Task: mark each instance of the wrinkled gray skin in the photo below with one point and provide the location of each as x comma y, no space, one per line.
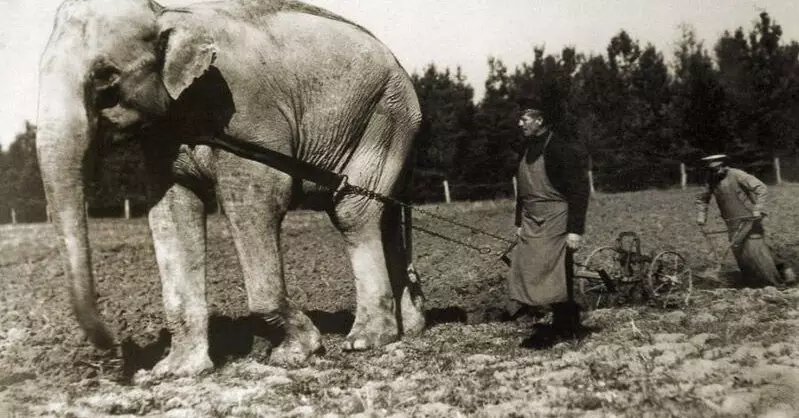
280,74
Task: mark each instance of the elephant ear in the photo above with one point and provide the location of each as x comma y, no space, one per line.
187,53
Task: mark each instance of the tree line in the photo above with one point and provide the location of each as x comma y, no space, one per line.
639,113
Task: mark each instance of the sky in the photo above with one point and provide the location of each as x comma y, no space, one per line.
449,33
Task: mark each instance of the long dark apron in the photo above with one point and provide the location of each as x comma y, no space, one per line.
539,266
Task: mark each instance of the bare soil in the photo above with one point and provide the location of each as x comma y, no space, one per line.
729,352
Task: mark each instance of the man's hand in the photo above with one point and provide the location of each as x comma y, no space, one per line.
573,241
756,214
518,232
700,220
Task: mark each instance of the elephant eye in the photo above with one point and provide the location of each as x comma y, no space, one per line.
107,97
105,79
105,76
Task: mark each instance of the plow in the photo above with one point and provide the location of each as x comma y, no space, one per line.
621,273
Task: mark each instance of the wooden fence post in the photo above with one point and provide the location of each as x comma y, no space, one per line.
446,191
777,171
13,216
683,177
591,188
127,209
591,182
515,189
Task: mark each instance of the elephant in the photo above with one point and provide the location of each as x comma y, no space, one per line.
273,74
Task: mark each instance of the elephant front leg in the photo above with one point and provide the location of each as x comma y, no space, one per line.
177,223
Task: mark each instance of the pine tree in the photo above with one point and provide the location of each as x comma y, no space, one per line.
490,157
23,190
698,102
448,109
759,76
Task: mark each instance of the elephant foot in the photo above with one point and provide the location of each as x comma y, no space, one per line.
376,333
294,352
411,307
301,340
182,363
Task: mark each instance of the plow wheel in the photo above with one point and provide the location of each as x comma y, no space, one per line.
669,279
596,281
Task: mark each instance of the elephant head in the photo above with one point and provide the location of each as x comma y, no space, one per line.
110,67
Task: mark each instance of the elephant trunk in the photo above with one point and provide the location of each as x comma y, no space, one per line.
63,140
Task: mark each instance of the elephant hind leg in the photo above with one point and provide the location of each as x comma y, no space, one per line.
375,314
386,304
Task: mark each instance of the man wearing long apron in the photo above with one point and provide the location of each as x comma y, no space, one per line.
552,200
740,197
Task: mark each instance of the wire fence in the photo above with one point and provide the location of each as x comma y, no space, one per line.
432,189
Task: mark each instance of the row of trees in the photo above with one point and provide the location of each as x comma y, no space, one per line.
118,175
639,113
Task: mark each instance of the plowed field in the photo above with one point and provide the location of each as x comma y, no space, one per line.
729,352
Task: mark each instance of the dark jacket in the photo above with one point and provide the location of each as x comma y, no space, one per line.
567,170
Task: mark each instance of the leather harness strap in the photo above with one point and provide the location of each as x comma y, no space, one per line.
279,161
337,183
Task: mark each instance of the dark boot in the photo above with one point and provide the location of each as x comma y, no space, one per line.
565,326
543,336
566,321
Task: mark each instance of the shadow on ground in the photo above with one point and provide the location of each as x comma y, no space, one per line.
249,336
230,338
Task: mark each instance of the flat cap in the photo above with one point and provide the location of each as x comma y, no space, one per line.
715,158
532,112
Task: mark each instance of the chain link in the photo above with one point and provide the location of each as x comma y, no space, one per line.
326,178
371,194
482,250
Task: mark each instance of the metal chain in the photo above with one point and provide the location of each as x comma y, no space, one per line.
482,250
371,194
326,178
462,225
